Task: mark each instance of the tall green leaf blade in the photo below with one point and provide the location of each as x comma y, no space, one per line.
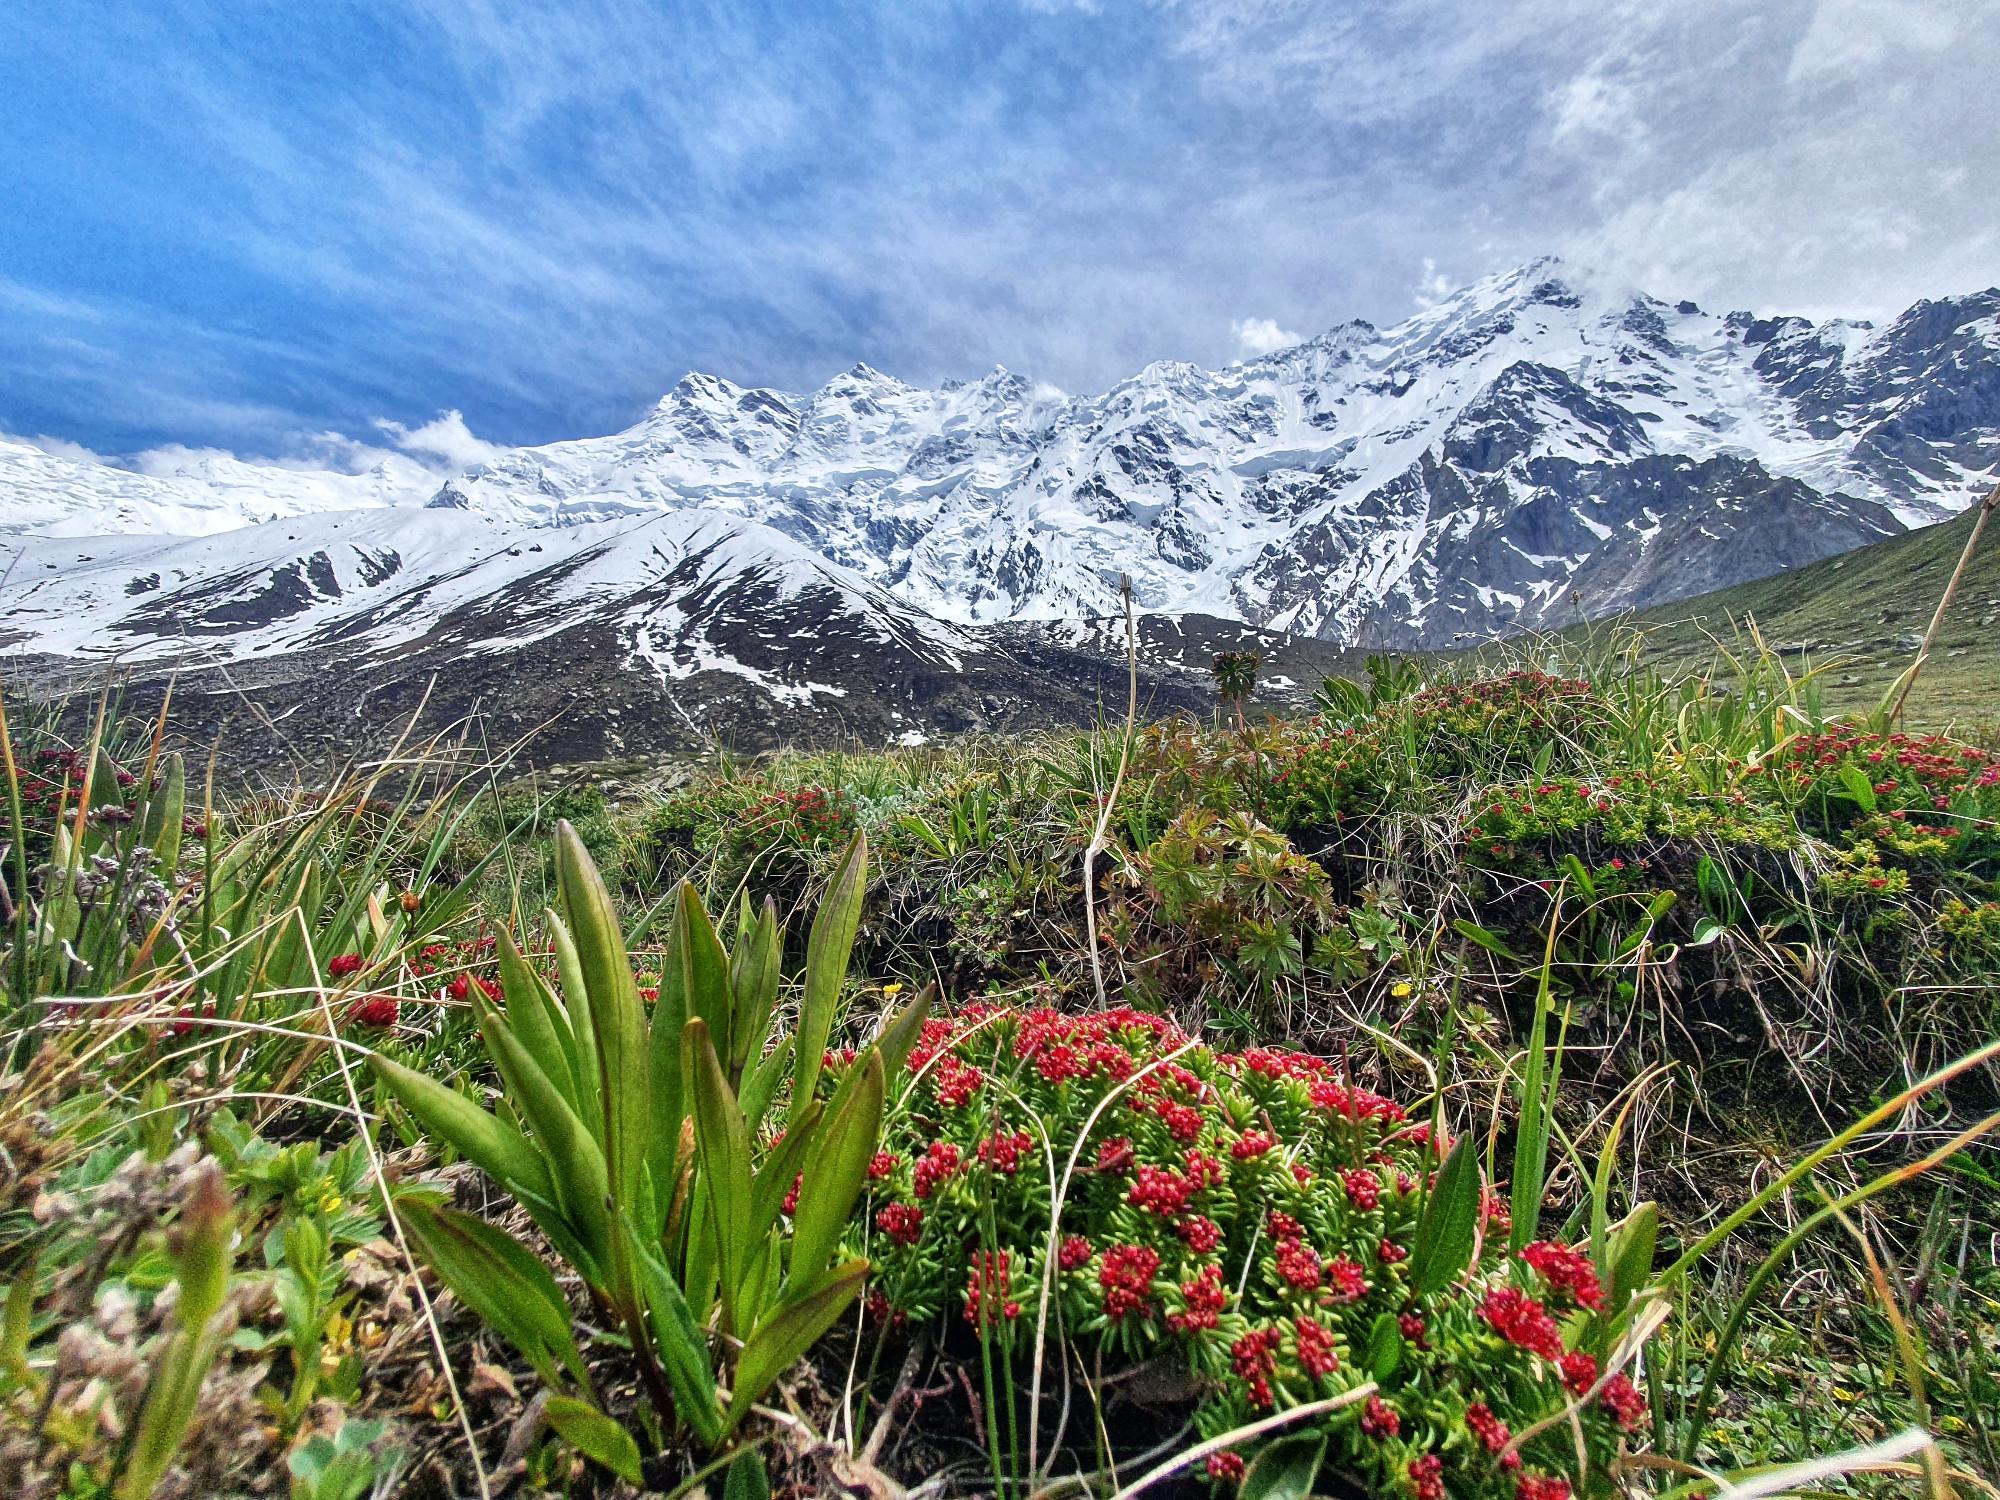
762,1085
837,1169
748,1479
1531,1136
531,1018
667,1089
595,1436
1449,1223
615,1013
576,1005
753,981
705,967
577,1169
483,1139
678,1339
494,1274
899,1038
166,805
722,1139
783,1338
781,1165
828,950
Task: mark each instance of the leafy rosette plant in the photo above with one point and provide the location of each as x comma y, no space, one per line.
1293,1237
630,1140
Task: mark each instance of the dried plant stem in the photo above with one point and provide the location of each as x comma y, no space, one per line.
1103,829
1986,508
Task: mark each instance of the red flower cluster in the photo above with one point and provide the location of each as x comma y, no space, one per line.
1252,1144
1364,1188
1002,1152
1492,1433
1225,1468
375,1012
938,1164
986,1290
1254,1358
1568,1272
957,1082
902,1222
1127,1279
1314,1344
1520,1319
1199,1233
1161,1190
1379,1419
1204,1299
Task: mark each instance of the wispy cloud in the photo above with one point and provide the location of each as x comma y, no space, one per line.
250,227
1256,336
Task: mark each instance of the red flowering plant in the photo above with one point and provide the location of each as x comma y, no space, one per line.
1917,799
1290,1235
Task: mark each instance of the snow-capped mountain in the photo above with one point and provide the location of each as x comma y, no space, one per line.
185,492
1540,444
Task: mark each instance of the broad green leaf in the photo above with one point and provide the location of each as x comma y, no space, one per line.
747,1478
1859,788
667,1089
595,1436
837,1169
783,1338
615,1013
530,1017
678,1339
1385,1347
706,969
754,975
1531,1135
1473,932
577,1169
722,1139
762,1086
165,807
899,1037
781,1164
1632,1245
494,1274
496,1148
1449,1223
1286,1470
828,950
576,1005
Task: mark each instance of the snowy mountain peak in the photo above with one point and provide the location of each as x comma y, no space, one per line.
1543,434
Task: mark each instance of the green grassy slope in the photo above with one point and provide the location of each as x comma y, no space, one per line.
1856,619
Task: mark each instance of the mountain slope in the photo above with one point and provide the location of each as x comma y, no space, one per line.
1859,618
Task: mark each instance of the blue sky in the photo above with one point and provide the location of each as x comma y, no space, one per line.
253,225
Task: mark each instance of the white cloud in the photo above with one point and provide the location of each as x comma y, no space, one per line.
445,436
55,446
1256,336
1433,286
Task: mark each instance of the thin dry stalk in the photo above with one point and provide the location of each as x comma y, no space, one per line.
1103,829
1986,508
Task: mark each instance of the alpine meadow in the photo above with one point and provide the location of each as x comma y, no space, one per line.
1407,912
